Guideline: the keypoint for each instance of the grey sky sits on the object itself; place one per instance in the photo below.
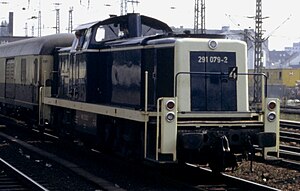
(280, 26)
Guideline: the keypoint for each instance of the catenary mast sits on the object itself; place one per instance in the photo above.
(258, 53)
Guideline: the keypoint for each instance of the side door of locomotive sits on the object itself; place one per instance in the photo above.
(73, 90)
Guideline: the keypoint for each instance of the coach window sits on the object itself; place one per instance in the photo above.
(23, 70)
(36, 67)
(9, 71)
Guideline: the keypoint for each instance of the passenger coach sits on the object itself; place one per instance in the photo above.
(25, 65)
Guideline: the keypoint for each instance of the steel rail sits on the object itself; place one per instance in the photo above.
(290, 124)
(235, 182)
(24, 179)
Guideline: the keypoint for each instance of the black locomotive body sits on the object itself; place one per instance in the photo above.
(131, 86)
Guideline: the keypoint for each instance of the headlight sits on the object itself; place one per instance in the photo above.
(170, 105)
(271, 116)
(271, 105)
(170, 116)
(212, 44)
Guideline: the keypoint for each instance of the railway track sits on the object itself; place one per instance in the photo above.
(290, 124)
(55, 167)
(13, 179)
(218, 182)
(224, 181)
(290, 141)
(290, 132)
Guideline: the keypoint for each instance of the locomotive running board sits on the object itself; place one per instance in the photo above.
(130, 114)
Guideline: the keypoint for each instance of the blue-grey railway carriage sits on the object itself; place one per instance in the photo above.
(131, 86)
(24, 67)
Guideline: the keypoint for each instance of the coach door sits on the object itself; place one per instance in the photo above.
(10, 86)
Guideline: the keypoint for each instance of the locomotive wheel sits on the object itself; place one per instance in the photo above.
(108, 137)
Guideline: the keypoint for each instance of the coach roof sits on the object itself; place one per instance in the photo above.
(36, 46)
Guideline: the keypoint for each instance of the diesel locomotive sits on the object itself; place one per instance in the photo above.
(133, 87)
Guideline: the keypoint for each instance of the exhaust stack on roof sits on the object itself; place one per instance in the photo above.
(11, 24)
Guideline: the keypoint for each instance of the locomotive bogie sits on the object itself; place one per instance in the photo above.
(110, 134)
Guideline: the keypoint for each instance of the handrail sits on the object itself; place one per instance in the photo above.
(146, 110)
(41, 91)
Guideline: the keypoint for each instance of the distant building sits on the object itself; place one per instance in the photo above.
(283, 83)
(289, 58)
(277, 59)
(293, 61)
(6, 28)
(8, 39)
(6, 31)
(294, 48)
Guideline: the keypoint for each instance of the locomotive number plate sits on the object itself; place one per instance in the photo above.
(212, 57)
